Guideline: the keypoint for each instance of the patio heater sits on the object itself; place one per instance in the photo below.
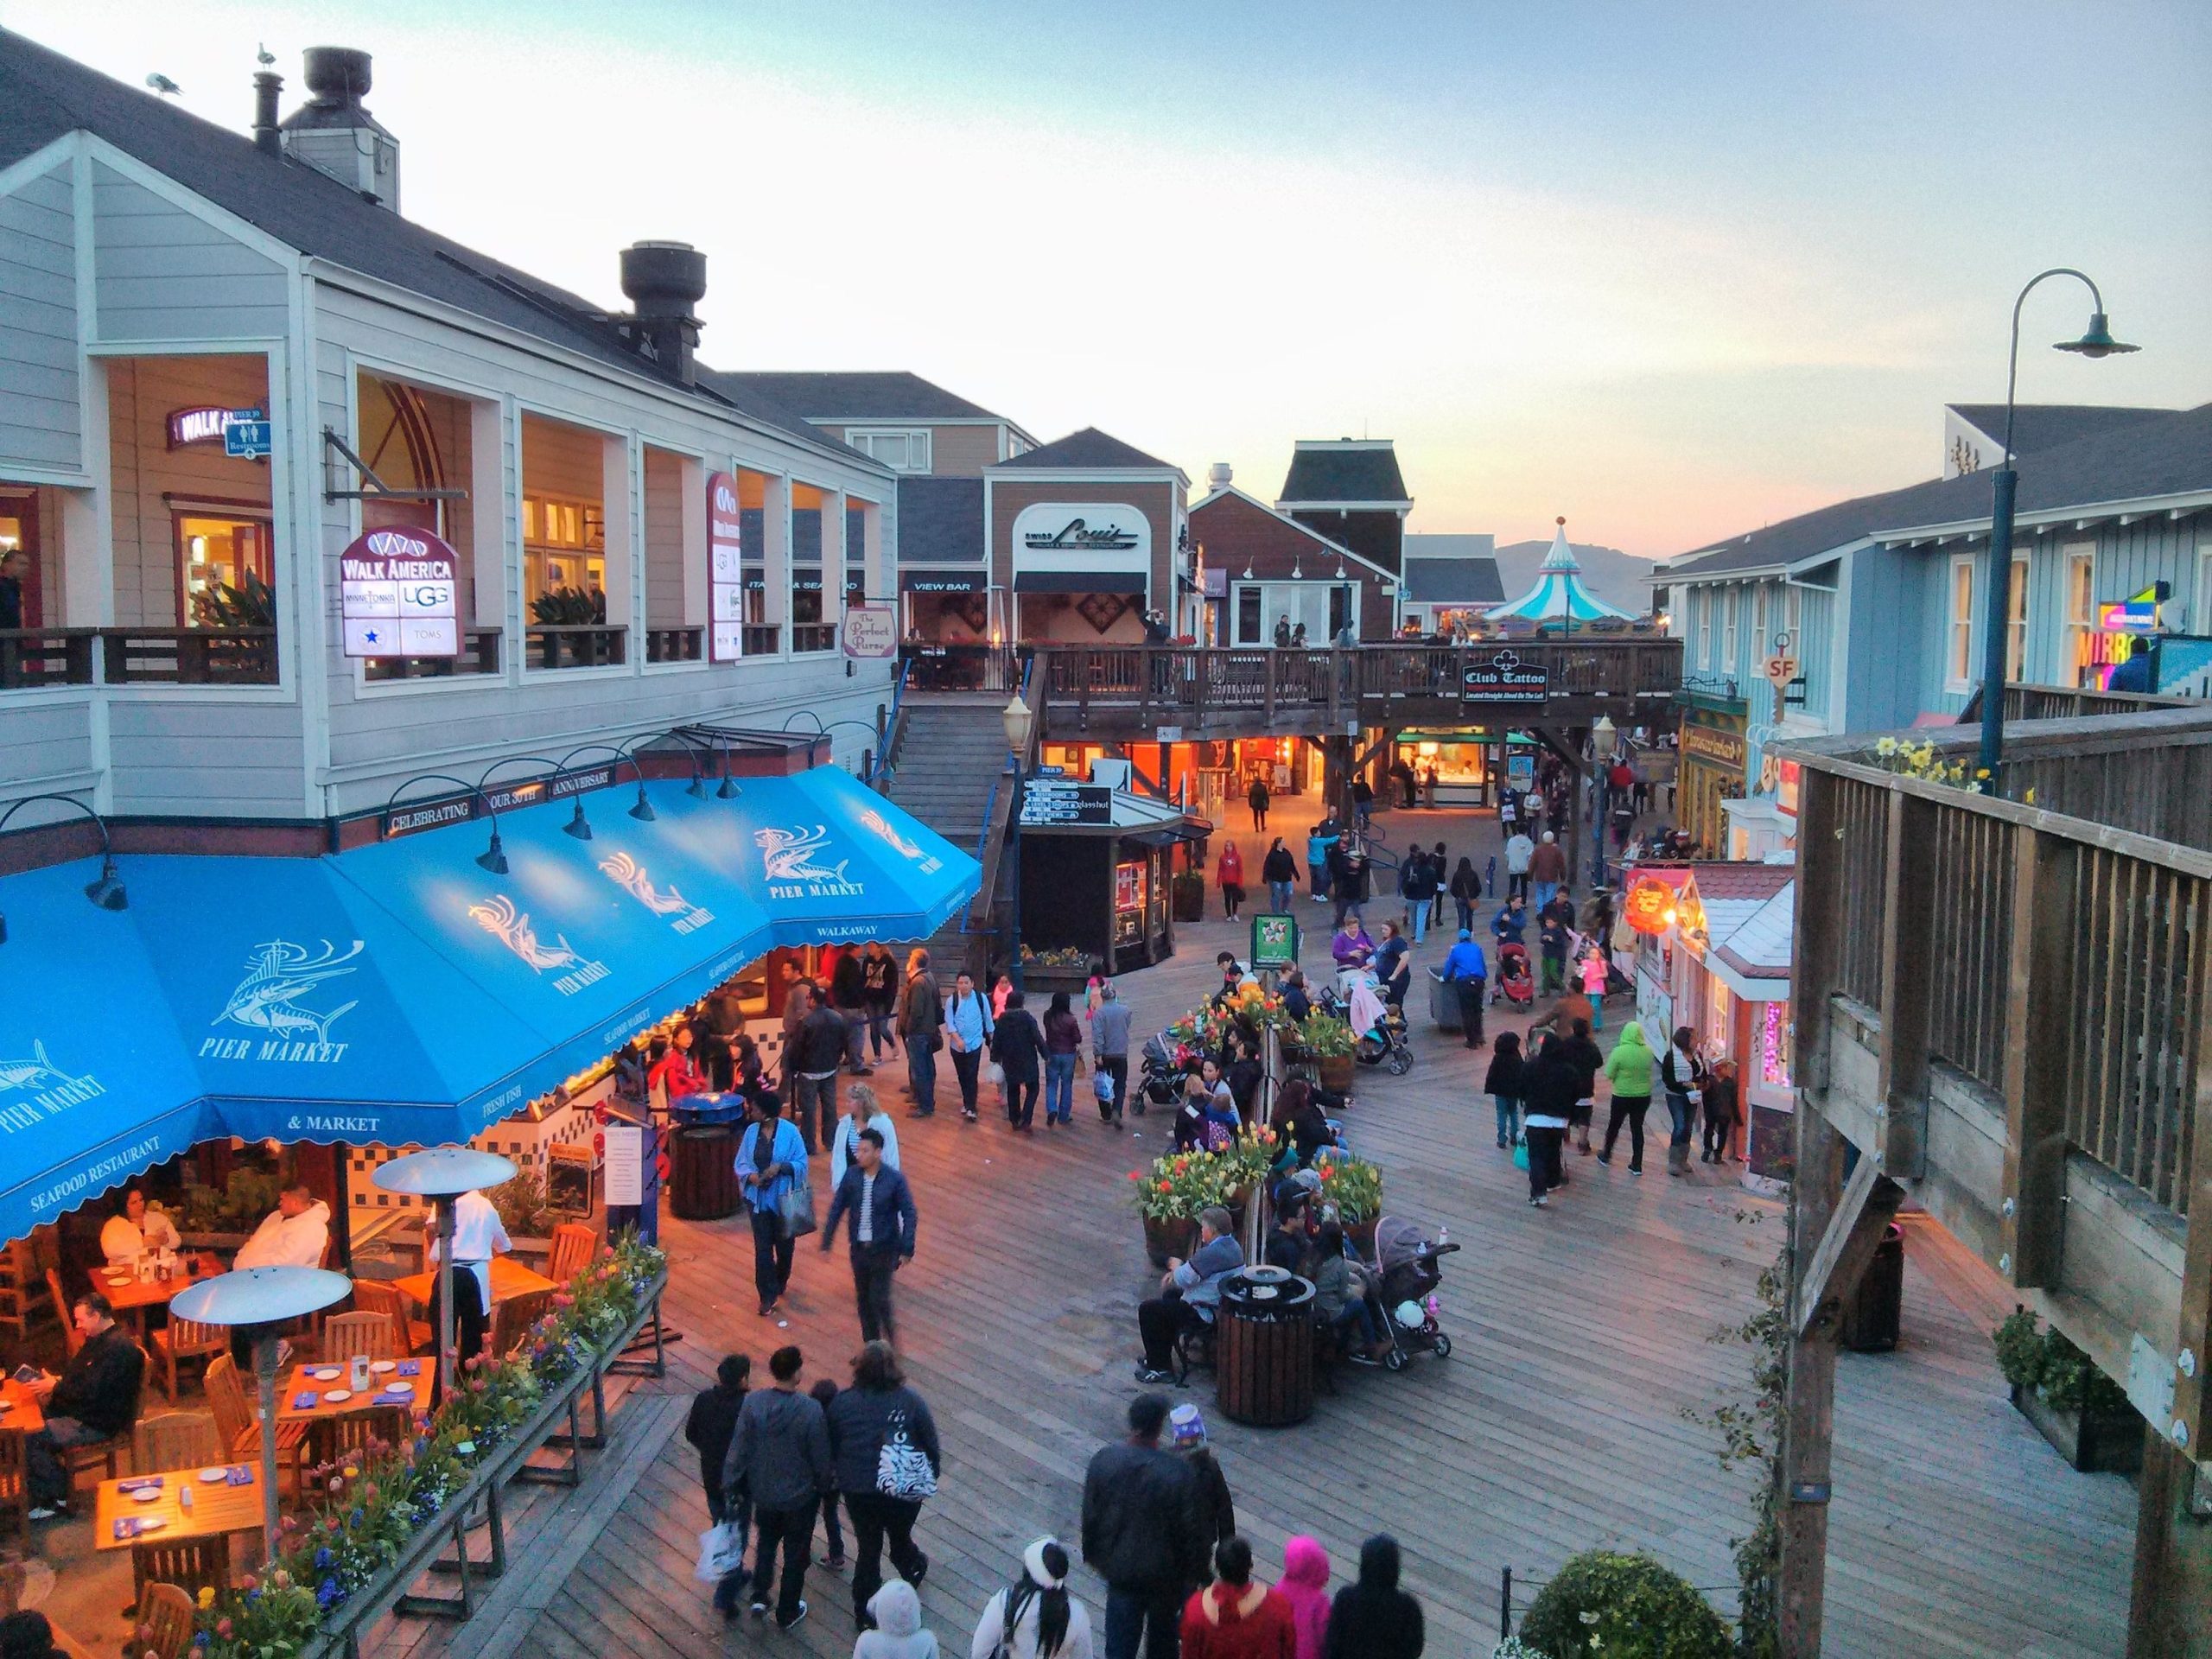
(443, 1174)
(261, 1299)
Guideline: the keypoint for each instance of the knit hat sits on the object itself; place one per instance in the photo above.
(1188, 1428)
(1033, 1562)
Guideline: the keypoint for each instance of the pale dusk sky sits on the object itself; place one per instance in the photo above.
(1673, 272)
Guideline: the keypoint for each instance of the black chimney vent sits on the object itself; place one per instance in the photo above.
(664, 281)
(337, 74)
(267, 86)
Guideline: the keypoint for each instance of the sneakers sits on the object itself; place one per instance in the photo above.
(967, 1117)
(795, 1621)
(1636, 1169)
(1153, 1379)
(47, 1512)
(1607, 1159)
(768, 1307)
(835, 1563)
(760, 1610)
(1540, 1204)
(1359, 1357)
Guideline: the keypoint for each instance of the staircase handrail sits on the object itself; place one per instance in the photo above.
(891, 739)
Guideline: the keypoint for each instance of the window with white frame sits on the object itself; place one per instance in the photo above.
(1701, 625)
(1728, 631)
(2016, 623)
(1959, 660)
(1761, 640)
(1793, 615)
(905, 451)
(2081, 611)
(2200, 603)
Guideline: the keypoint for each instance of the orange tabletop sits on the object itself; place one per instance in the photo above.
(299, 1383)
(24, 1412)
(134, 1294)
(65, 1642)
(217, 1506)
(509, 1279)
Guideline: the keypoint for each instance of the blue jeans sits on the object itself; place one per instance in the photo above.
(921, 1074)
(880, 1037)
(1279, 896)
(1417, 911)
(1152, 1618)
(1359, 1315)
(1466, 915)
(1059, 1087)
(1545, 891)
(1509, 1118)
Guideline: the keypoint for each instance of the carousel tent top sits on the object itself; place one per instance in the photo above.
(1558, 599)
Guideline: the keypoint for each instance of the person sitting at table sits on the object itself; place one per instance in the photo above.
(26, 1635)
(478, 1235)
(94, 1399)
(134, 1229)
(293, 1235)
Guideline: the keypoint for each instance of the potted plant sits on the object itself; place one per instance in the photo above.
(1066, 968)
(1187, 892)
(2081, 1411)
(1602, 1604)
(1330, 1041)
(1355, 1186)
(1169, 1196)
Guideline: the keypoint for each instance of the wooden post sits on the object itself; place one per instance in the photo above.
(1908, 913)
(2172, 1582)
(2040, 1020)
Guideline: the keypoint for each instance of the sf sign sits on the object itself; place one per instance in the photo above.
(398, 596)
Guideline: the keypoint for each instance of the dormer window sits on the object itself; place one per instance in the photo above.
(903, 450)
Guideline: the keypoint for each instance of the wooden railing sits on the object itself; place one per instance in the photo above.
(35, 656)
(760, 638)
(1140, 686)
(2025, 702)
(575, 645)
(813, 636)
(675, 645)
(189, 656)
(978, 667)
(479, 654)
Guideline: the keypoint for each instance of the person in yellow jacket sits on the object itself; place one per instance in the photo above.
(1628, 1069)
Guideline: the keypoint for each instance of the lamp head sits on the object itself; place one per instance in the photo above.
(2097, 342)
(697, 789)
(578, 825)
(106, 891)
(493, 858)
(643, 811)
(728, 791)
(1019, 720)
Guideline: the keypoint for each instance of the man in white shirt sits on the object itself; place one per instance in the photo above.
(293, 1235)
(1519, 849)
(478, 1235)
(136, 1230)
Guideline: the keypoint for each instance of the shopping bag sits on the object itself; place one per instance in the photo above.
(722, 1552)
(1521, 1152)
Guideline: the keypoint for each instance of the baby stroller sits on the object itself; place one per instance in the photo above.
(1160, 1076)
(1407, 1260)
(1383, 1032)
(1516, 982)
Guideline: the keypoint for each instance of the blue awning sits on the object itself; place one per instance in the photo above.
(401, 993)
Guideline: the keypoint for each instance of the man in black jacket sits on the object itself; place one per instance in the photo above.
(877, 1208)
(1143, 1533)
(818, 1048)
(95, 1398)
(849, 993)
(779, 1458)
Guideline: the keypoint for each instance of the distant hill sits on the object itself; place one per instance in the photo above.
(1618, 578)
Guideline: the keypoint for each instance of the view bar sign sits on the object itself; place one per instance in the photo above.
(397, 595)
(724, 569)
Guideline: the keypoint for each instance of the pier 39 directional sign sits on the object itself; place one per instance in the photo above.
(397, 595)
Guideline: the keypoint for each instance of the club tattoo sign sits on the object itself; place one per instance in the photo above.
(397, 595)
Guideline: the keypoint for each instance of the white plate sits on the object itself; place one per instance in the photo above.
(397, 1391)
(326, 1373)
(337, 1394)
(146, 1495)
(380, 1366)
(209, 1476)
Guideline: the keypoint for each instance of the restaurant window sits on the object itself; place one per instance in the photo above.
(1339, 609)
(564, 550)
(1247, 616)
(1761, 640)
(2201, 606)
(902, 452)
(225, 570)
(2016, 623)
(1728, 631)
(2082, 611)
(19, 535)
(1793, 615)
(1701, 625)
(1959, 659)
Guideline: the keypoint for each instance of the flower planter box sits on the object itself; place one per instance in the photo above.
(1336, 1071)
(1043, 982)
(1361, 1236)
(1165, 1238)
(2111, 1442)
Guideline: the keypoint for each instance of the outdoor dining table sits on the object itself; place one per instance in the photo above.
(130, 1296)
(19, 1408)
(335, 1396)
(510, 1278)
(218, 1507)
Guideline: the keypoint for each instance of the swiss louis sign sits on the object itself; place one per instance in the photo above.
(1504, 677)
(397, 595)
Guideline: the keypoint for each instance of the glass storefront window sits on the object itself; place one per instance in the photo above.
(225, 569)
(1778, 1048)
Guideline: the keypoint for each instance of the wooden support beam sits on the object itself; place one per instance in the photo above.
(2172, 1586)
(1908, 971)
(2190, 1391)
(1810, 1424)
(1846, 1246)
(2039, 1024)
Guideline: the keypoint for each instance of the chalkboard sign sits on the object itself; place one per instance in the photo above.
(1049, 801)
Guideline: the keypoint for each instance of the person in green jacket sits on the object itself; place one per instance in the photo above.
(1628, 1068)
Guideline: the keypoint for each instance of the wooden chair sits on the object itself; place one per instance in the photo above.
(414, 1335)
(182, 1439)
(25, 1299)
(181, 1341)
(345, 1335)
(575, 1244)
(72, 1340)
(166, 1612)
(14, 1487)
(512, 1319)
(240, 1435)
(185, 1565)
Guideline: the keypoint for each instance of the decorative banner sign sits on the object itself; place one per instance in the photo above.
(208, 424)
(1082, 536)
(397, 595)
(1649, 905)
(2137, 615)
(1274, 941)
(1722, 749)
(724, 569)
(1047, 801)
(871, 631)
(1505, 678)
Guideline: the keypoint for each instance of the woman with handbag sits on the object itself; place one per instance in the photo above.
(1682, 1075)
(883, 1447)
(772, 1168)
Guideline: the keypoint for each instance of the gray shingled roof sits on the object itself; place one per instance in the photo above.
(1088, 447)
(867, 394)
(940, 519)
(2037, 427)
(1445, 582)
(2170, 454)
(45, 96)
(1334, 475)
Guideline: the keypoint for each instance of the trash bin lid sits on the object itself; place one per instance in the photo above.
(1265, 1293)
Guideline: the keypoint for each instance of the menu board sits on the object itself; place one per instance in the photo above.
(725, 570)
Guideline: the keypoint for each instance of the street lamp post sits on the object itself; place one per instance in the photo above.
(1018, 721)
(1602, 738)
(2097, 341)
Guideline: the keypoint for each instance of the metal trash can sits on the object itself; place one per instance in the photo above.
(1873, 1318)
(703, 1157)
(1263, 1348)
(1443, 1002)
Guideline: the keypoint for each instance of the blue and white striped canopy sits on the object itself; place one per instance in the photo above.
(1558, 598)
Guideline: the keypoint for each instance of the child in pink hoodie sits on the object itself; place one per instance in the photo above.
(1306, 1586)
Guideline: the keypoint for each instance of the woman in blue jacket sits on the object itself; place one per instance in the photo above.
(771, 1163)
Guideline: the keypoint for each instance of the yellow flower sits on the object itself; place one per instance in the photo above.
(2031, 797)
(206, 1597)
(1885, 746)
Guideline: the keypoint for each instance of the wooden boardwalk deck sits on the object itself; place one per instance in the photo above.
(1556, 1425)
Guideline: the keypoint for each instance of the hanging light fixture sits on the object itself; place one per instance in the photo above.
(105, 890)
(494, 858)
(578, 825)
(643, 811)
